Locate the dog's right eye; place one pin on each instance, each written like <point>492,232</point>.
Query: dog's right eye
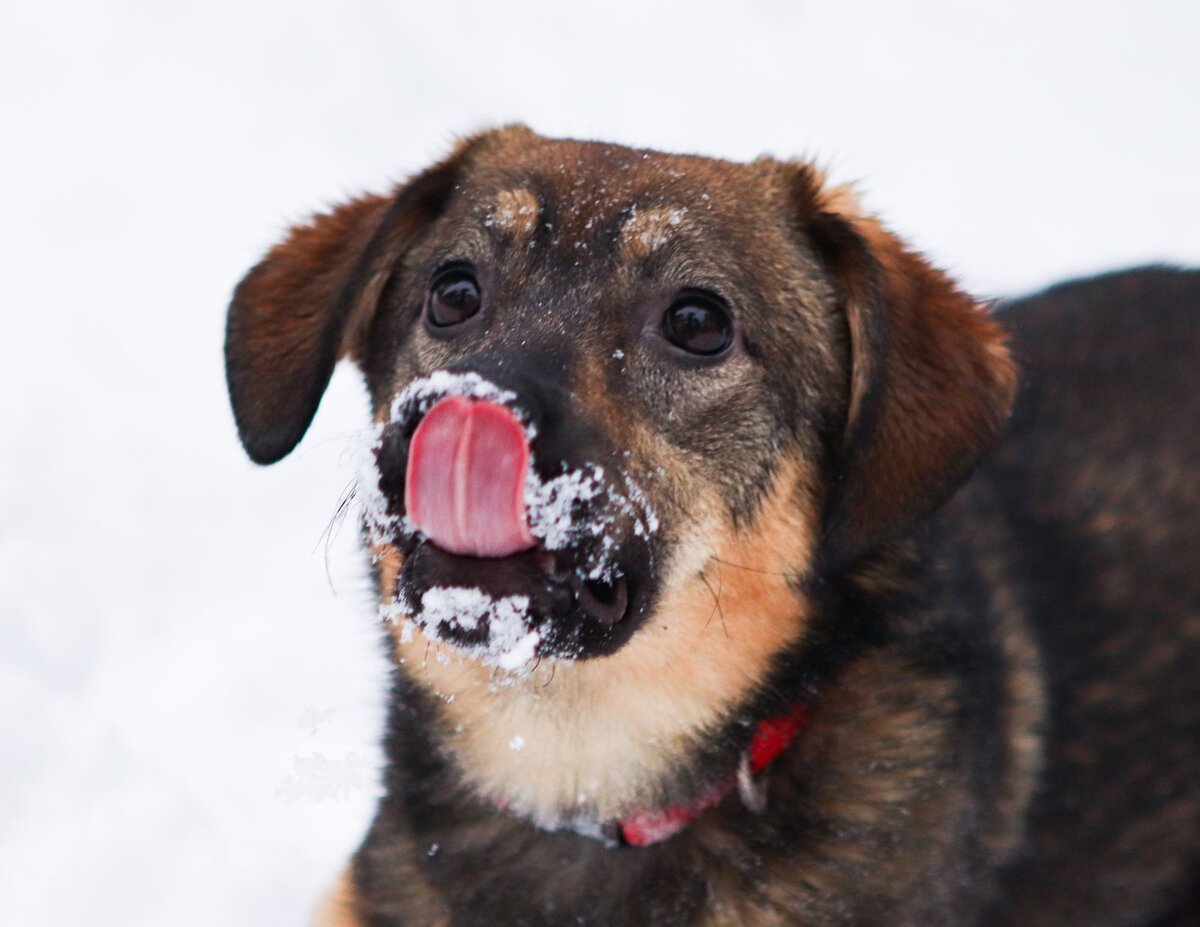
<point>453,298</point>
<point>699,324</point>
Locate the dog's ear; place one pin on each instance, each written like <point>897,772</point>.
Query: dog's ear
<point>309,302</point>
<point>286,322</point>
<point>931,379</point>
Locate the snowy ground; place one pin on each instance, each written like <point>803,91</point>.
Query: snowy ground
<point>191,703</point>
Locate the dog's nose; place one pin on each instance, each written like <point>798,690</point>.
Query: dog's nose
<point>467,469</point>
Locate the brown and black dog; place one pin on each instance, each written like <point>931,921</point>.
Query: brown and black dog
<point>695,616</point>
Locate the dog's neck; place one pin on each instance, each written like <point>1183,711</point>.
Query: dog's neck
<point>772,736</point>
<point>605,737</point>
<point>575,745</point>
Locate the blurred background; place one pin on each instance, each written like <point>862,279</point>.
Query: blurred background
<point>190,668</point>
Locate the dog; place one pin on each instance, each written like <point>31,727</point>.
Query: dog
<point>729,576</point>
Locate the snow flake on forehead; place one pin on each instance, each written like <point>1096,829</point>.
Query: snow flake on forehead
<point>647,230</point>
<point>515,213</point>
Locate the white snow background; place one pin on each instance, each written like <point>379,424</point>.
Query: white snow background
<point>190,707</point>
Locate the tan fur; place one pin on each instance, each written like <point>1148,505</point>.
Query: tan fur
<point>339,907</point>
<point>589,741</point>
<point>647,230</point>
<point>516,212</point>
<point>1023,719</point>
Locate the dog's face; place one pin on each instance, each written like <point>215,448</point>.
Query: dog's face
<point>629,406</point>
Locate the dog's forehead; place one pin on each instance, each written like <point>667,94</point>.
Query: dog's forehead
<point>640,198</point>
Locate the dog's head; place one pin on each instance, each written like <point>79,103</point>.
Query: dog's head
<point>626,404</point>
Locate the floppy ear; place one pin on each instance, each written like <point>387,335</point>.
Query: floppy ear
<point>931,381</point>
<point>285,327</point>
<point>309,302</point>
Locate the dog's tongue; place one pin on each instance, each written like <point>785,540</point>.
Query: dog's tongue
<point>465,484</point>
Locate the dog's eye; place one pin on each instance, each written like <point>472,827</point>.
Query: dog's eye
<point>453,298</point>
<point>699,324</point>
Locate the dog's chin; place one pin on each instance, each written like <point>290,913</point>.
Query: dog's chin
<point>539,604</point>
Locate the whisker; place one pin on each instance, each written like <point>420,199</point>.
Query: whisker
<point>737,566</point>
<point>720,589</point>
<point>335,523</point>
<point>716,602</point>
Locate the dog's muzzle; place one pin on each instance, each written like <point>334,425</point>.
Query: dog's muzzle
<point>504,558</point>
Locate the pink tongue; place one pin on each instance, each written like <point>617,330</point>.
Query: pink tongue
<point>465,485</point>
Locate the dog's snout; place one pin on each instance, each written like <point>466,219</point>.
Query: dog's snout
<point>482,475</point>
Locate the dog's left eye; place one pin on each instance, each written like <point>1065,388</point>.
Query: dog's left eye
<point>699,324</point>
<point>453,298</point>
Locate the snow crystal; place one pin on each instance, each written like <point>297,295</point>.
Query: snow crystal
<point>509,645</point>
<point>652,228</point>
<point>517,743</point>
<point>423,392</point>
<point>552,504</point>
<point>366,495</point>
<point>645,521</point>
<point>520,654</point>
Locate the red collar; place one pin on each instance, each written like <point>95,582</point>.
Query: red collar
<point>771,738</point>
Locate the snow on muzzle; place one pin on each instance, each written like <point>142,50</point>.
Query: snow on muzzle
<point>454,462</point>
<point>504,556</point>
<point>468,465</point>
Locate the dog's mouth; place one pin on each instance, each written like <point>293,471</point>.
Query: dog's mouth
<point>502,560</point>
<point>507,611</point>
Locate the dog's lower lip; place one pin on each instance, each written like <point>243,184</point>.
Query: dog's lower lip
<point>549,564</point>
<point>605,601</point>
